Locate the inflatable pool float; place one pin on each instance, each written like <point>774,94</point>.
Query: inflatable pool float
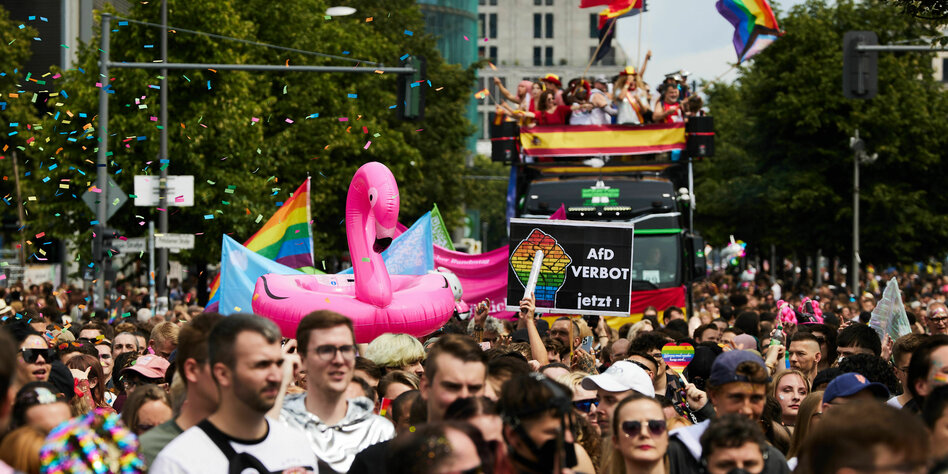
<point>375,301</point>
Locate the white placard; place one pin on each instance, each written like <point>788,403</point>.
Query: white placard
<point>180,191</point>
<point>174,241</point>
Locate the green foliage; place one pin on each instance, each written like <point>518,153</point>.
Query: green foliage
<point>926,9</point>
<point>15,106</point>
<point>251,138</point>
<point>486,191</point>
<point>783,171</point>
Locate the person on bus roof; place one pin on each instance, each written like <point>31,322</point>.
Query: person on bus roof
<point>668,108</point>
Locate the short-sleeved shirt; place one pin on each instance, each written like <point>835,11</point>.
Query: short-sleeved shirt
<point>155,439</point>
<point>193,451</point>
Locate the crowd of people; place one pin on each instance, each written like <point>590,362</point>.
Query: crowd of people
<point>802,385</point>
<point>624,99</point>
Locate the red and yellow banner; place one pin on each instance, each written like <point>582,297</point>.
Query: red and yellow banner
<point>660,299</point>
<point>584,140</point>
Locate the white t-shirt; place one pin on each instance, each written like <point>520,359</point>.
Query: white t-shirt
<point>193,451</point>
<point>894,402</point>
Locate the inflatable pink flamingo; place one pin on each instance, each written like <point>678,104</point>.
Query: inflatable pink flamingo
<point>375,301</point>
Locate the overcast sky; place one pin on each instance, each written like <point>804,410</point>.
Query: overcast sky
<point>686,34</point>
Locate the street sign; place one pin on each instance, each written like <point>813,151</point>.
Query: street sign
<point>180,191</point>
<point>130,246</point>
<point>114,197</point>
<point>174,241</point>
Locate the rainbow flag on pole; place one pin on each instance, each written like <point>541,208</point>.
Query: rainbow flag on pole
<point>755,26</point>
<point>286,238</point>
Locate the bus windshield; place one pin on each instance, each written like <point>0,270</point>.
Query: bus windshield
<point>655,262</point>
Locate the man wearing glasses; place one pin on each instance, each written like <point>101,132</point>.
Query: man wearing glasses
<point>937,318</point>
<point>337,428</point>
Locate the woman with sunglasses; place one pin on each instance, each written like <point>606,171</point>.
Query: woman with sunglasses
<point>583,399</point>
<point>640,437</point>
<point>35,358</point>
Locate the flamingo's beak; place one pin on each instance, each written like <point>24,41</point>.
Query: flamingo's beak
<point>383,237</point>
<point>381,244</point>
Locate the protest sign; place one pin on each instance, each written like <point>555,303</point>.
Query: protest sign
<point>586,265</point>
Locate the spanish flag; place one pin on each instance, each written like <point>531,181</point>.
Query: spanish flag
<point>618,9</point>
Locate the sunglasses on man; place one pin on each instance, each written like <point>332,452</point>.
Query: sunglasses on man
<point>584,405</point>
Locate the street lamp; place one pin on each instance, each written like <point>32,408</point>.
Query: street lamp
<point>859,156</point>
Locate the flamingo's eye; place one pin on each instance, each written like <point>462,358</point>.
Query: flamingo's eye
<point>373,196</point>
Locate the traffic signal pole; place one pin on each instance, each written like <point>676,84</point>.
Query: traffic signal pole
<point>102,164</point>
<point>103,149</point>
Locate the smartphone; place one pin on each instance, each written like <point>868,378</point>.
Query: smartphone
<point>588,344</point>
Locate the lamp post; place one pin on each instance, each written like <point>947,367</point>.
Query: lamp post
<point>859,156</point>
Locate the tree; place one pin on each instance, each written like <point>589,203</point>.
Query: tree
<point>485,189</point>
<point>250,138</point>
<point>16,110</point>
<point>783,172</point>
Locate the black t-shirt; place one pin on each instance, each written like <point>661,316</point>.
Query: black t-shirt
<point>372,460</point>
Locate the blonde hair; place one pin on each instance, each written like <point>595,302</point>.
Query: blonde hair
<point>393,351</point>
<point>637,328</point>
<point>573,380</point>
<point>20,449</point>
<point>164,332</point>
<point>584,330</point>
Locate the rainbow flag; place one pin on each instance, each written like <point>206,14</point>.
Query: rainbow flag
<point>286,238</point>
<point>755,26</point>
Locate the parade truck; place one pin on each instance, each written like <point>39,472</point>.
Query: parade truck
<point>637,174</point>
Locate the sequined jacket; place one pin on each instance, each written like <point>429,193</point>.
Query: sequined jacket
<point>337,445</point>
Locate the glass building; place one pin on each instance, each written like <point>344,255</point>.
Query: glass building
<point>450,21</point>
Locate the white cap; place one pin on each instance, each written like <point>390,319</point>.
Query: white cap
<point>621,377</point>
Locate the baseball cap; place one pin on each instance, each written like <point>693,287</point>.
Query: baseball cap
<point>724,368</point>
<point>150,366</point>
<point>850,384</point>
<point>620,377</point>
<point>600,79</point>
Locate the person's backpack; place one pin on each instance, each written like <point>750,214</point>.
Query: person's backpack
<point>238,462</point>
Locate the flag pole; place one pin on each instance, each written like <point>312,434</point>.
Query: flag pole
<point>309,218</point>
<point>638,52</point>
<point>718,78</point>
<point>603,40</point>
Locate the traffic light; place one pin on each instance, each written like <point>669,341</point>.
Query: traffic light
<point>860,68</point>
<point>411,89</point>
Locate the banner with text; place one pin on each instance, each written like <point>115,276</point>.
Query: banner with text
<point>586,265</point>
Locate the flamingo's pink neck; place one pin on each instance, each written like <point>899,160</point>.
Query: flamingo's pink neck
<point>372,282</point>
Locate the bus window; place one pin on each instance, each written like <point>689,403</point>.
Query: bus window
<point>655,262</point>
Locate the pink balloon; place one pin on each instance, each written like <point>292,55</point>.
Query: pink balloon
<point>376,302</point>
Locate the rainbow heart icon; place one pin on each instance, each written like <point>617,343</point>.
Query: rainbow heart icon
<point>678,356</point>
